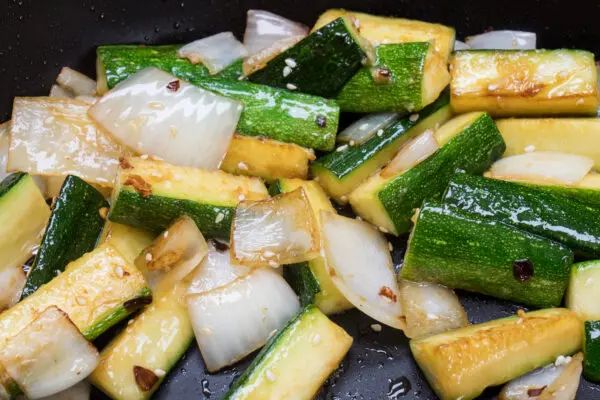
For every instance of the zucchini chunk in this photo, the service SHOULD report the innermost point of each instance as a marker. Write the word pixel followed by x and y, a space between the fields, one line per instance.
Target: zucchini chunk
pixel 381 30
pixel 583 296
pixel 321 63
pixel 468 252
pixel 279 370
pixel 463 362
pixel 528 208
pixel 404 78
pixel 310 279
pixel 150 194
pixel 470 142
pixel 266 158
pixel 342 171
pixel 96 291
pixel 278 114
pixel 128 241
pixel 72 231
pixel 524 82
pixel 591 351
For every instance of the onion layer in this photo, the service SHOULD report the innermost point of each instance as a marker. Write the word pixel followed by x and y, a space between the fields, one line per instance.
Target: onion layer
pixel 412 153
pixel 4 143
pixel 76 82
pixel 217 269
pixel 81 391
pixel 261 58
pixel 504 40
pixel 264 28
pixel 216 52
pixel 365 128
pixel 12 280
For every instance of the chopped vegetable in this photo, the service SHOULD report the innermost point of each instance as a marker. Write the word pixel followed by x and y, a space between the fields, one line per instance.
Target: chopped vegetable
pixel 4 143
pixel 261 59
pixel 264 29
pixel 80 391
pixel 412 153
pixel 216 52
pixel 365 128
pixel 591 350
pixel 12 280
pixel 76 82
pixel 583 296
pixel 504 40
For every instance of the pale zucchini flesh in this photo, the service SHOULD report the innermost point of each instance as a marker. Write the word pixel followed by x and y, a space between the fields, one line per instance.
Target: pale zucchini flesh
pixel 583 296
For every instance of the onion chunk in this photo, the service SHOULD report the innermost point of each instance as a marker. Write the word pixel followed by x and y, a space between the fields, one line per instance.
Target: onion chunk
pixel 503 40
pixel 365 128
pixel 412 153
pixel 264 29
pixel 76 82
pixel 216 52
pixel 12 281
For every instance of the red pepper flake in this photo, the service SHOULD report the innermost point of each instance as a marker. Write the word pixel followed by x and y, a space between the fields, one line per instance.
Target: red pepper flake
pixel 523 270
pixel 535 392
pixel 381 75
pixel 219 246
pixel 321 121
pixel 139 184
pixel 173 86
pixel 387 292
pixel 144 378
pixel 137 303
pixel 124 163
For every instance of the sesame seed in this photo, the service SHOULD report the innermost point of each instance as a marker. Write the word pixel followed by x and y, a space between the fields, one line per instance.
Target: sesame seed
pixel 130 321
pixel 166 234
pixel 342 147
pixel 286 71
pixel 291 86
pixel 242 166
pixel 273 264
pixel 270 375
pixel 390 246
pixel 290 62
pixel 376 327
pixel 382 229
pixel 242 197
pixel 413 117
pixel 119 271
pixel 103 211
pixel 219 218
pixel 148 257
pixel 159 372
pixel 269 254
pixel 144 156
pixel 380 132
pixel 359 218
pixel 491 87
pixel 579 102
pixel 344 198
pixel 562 360
pixel 352 143
pixel 529 149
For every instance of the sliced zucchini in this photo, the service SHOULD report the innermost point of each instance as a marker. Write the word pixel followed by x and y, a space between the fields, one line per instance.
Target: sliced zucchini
pixel 150 194
pixel 583 296
pixel 129 241
pixel 279 370
pixel 319 64
pixel 524 82
pixel 266 158
pixel 278 114
pixel 529 208
pixel 470 142
pixel 310 279
pixel 472 253
pixel 381 30
pixel 404 78
pixel 341 171
pixel 96 291
pixel 591 351
pixel 72 231
pixel 463 362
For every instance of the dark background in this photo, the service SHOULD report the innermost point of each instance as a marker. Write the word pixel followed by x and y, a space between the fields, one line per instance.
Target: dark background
pixel 37 37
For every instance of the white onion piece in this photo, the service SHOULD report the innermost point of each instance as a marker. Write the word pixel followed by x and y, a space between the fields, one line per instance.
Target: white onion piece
pixel 76 82
pixel 81 391
pixel 60 92
pixel 232 321
pixel 264 28
pixel 12 280
pixel 504 40
pixel 543 166
pixel 458 45
pixel 260 59
pixel 360 265
pixel 51 136
pixel 430 308
pixel 4 143
pixel 173 255
pixel 155 113
pixel 553 382
pixel 365 128
pixel 49 355
pixel 216 52
pixel 281 230
pixel 216 270
pixel 412 153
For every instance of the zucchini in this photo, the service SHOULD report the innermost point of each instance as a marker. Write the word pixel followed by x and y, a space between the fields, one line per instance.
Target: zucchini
pixel 465 251
pixel 529 208
pixel 591 351
pixel 321 63
pixel 233 72
pixel 460 364
pixel 469 142
pixel 72 231
pixel 405 78
pixel 96 291
pixel 567 135
pixel 524 82
pixel 151 194
pixel 380 30
pixel 278 114
pixel 310 279
pixel 266 158
pixel 129 241
pixel 583 296
pixel 280 370
pixel 154 341
pixel 340 172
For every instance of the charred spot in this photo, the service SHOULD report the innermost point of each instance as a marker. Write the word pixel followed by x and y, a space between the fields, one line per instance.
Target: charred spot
pixel 321 121
pixel 388 293
pixel 139 184
pixel 523 270
pixel 173 86
pixel 381 75
pixel 535 392
pixel 144 378
pixel 219 246
pixel 124 163
pixel 137 303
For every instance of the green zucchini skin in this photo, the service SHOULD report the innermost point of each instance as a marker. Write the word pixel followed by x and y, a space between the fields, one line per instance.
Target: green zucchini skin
pixel 155 213
pixel 322 62
pixel 587 196
pixel 301 279
pixel 233 72
pixel 72 231
pixel 472 151
pixel 306 120
pixel 468 252
pixel 11 181
pixel 529 208
pixel 406 63
pixel 591 351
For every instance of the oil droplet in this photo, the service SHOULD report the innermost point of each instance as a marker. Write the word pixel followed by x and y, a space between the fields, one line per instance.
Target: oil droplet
pixel 398 387
pixel 205 389
pixel 176 25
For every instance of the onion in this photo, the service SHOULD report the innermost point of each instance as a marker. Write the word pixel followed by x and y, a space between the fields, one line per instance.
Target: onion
pixel 554 382
pixel 263 29
pixel 81 391
pixel 430 308
pixel 232 321
pixel 543 166
pixel 76 82
pixel 360 265
pixel 217 269
pixel 49 355
pixel 155 113
pixel 458 45
pixel 412 153
pixel 173 255
pixel 4 143
pixel 506 40
pixel 216 52
pixel 51 136
pixel 366 127
pixel 12 280
pixel 281 230
pixel 58 91
pixel 261 58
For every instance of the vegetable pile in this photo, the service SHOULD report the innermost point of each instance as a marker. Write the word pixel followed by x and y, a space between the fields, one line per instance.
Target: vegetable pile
pixel 187 191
